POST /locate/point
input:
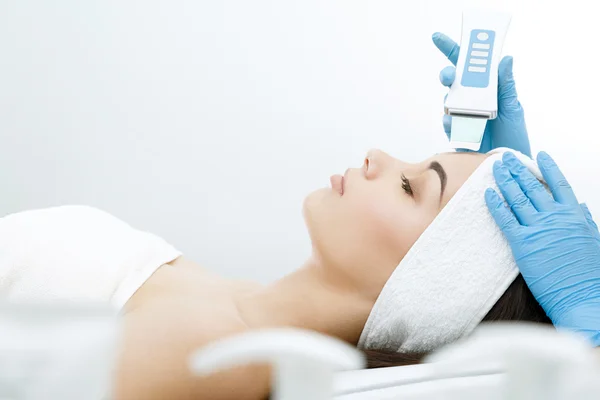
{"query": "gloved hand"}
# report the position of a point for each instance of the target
(554, 240)
(508, 128)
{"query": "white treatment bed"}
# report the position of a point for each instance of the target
(417, 382)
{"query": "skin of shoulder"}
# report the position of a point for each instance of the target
(161, 332)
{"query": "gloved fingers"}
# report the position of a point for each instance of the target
(507, 92)
(447, 46)
(447, 76)
(447, 121)
(559, 186)
(510, 110)
(528, 183)
(514, 196)
(505, 220)
(590, 221)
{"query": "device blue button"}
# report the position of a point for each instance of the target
(478, 75)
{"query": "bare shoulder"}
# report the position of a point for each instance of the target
(183, 277)
(180, 309)
(158, 341)
(235, 285)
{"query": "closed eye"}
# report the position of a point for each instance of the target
(406, 186)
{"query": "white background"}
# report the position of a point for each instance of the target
(207, 122)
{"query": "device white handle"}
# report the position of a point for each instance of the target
(472, 98)
(539, 362)
(303, 361)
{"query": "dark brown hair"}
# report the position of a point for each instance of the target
(516, 304)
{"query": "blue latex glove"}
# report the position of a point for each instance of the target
(508, 128)
(554, 240)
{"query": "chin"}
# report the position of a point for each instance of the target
(317, 199)
(315, 206)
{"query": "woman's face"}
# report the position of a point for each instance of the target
(364, 225)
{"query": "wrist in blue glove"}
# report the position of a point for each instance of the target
(508, 128)
(554, 240)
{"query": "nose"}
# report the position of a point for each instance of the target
(375, 162)
(374, 156)
(375, 153)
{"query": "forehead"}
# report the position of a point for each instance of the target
(458, 166)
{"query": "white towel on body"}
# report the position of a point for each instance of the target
(76, 253)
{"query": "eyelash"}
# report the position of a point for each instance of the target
(406, 186)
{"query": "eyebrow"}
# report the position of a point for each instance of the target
(437, 167)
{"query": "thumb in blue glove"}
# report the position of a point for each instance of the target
(508, 128)
(555, 242)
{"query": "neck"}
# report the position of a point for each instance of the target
(309, 298)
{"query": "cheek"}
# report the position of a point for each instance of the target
(368, 228)
(394, 225)
(385, 224)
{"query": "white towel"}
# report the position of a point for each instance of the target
(451, 277)
(76, 253)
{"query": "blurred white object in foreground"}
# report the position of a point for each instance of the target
(58, 351)
(540, 363)
(497, 362)
(303, 362)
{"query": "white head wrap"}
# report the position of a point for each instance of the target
(451, 277)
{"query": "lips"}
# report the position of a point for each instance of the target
(337, 183)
